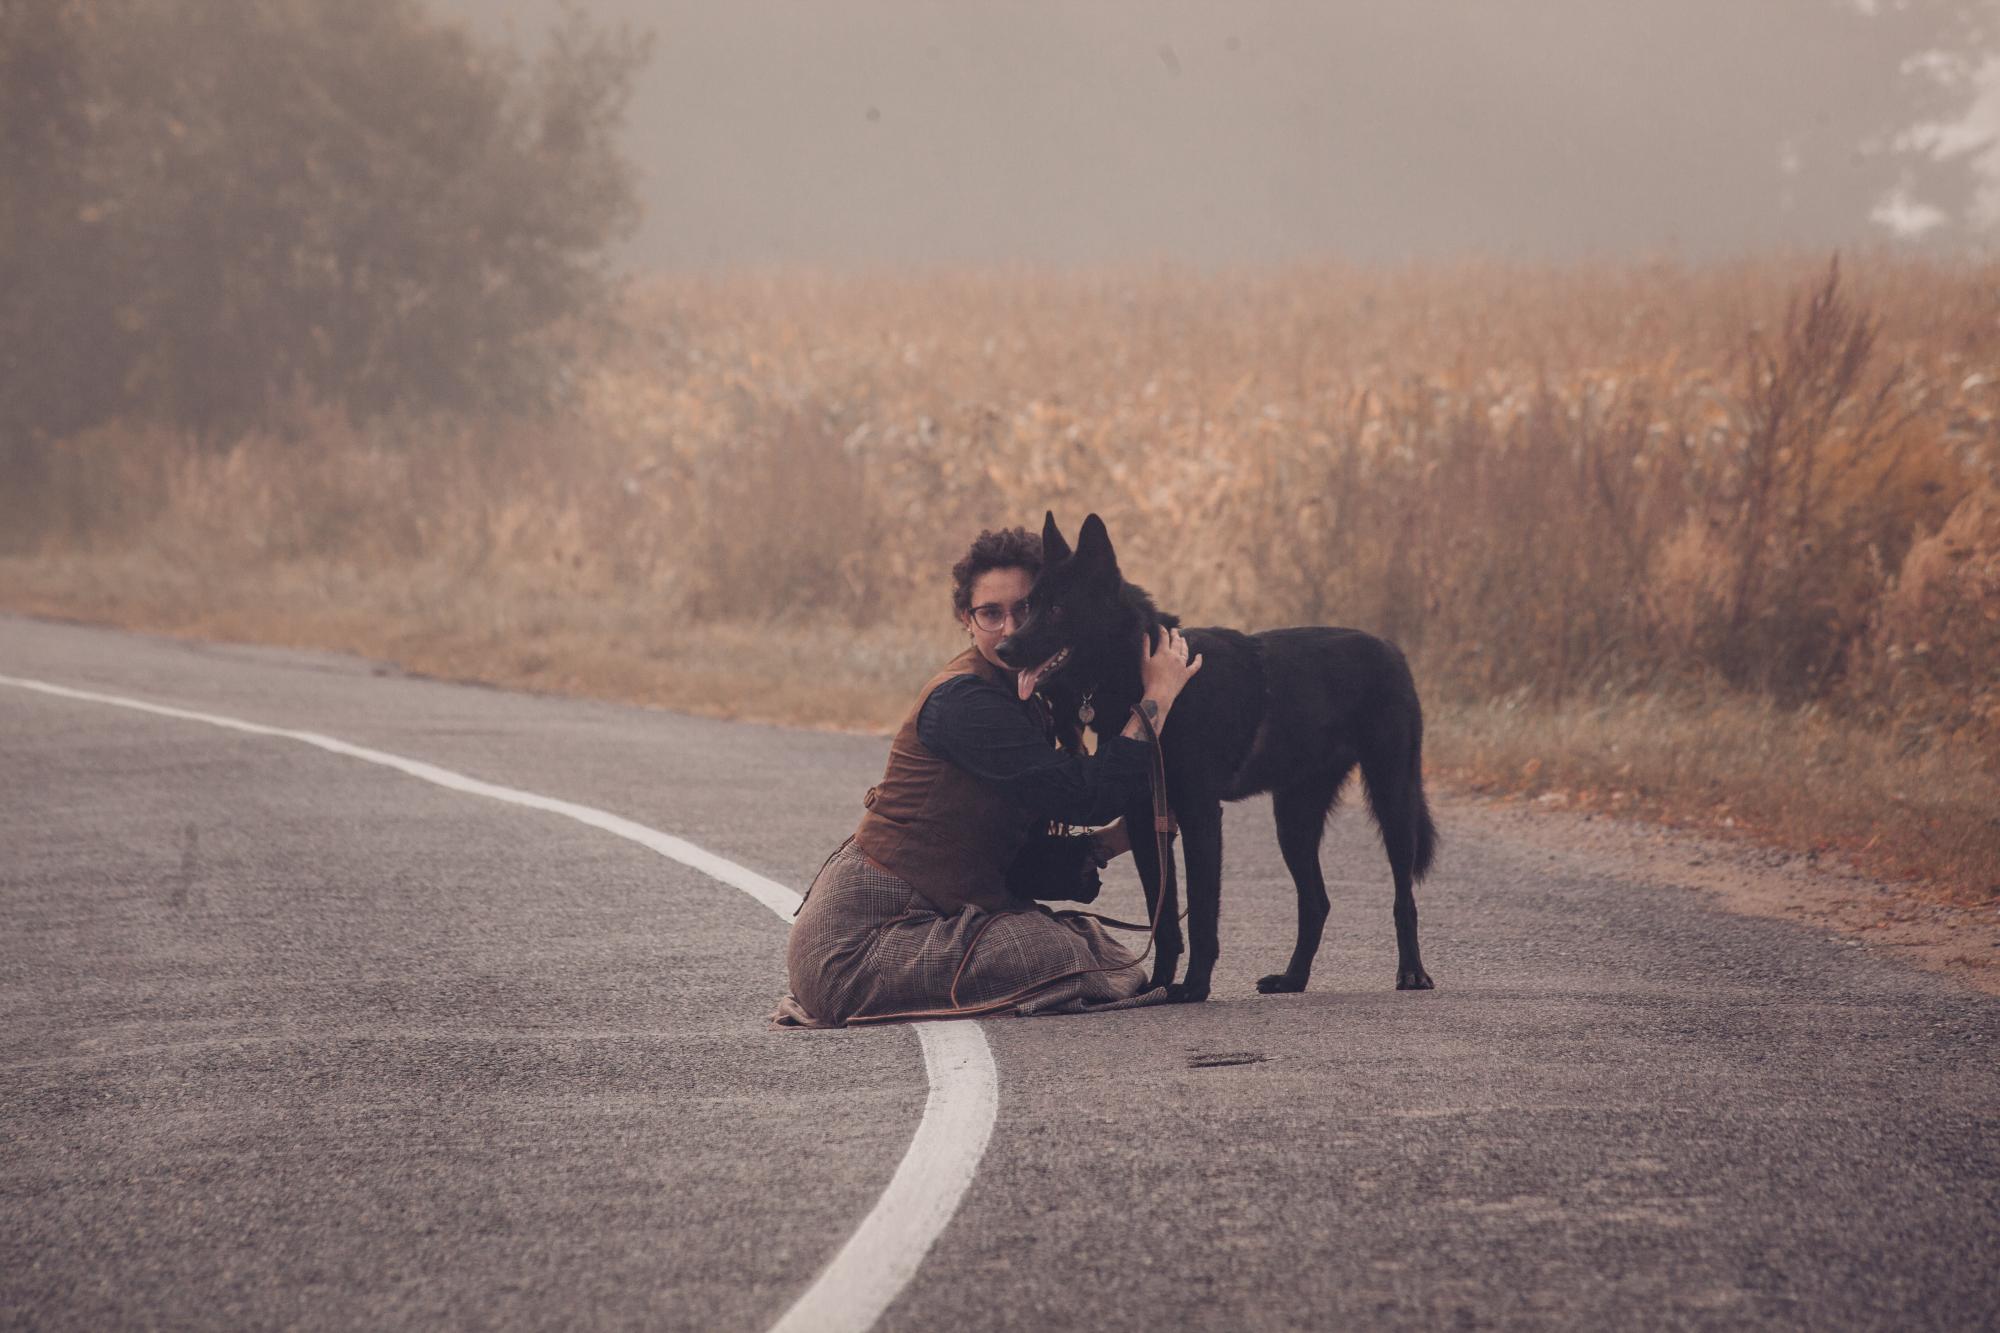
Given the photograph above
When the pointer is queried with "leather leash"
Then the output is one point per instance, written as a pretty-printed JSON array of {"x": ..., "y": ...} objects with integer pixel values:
[{"x": 1163, "y": 821}]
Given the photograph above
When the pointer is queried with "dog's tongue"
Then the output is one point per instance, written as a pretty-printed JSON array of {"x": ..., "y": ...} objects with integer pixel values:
[{"x": 1027, "y": 679}]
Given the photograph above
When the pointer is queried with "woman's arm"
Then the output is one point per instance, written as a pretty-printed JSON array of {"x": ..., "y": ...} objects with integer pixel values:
[
  {"x": 989, "y": 733},
  {"x": 985, "y": 730}
]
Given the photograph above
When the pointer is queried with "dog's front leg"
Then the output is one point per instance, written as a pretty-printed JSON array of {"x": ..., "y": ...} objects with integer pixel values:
[
  {"x": 1146, "y": 860},
  {"x": 1201, "y": 826}
]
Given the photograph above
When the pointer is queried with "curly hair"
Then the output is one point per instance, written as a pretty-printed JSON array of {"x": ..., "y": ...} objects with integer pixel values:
[{"x": 1009, "y": 548}]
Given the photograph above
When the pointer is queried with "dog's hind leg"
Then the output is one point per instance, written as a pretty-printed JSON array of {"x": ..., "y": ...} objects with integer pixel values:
[
  {"x": 1201, "y": 829},
  {"x": 1301, "y": 813},
  {"x": 1393, "y": 768},
  {"x": 1146, "y": 860}
]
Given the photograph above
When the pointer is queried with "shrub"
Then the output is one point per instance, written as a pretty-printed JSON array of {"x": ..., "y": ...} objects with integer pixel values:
[{"x": 1933, "y": 659}]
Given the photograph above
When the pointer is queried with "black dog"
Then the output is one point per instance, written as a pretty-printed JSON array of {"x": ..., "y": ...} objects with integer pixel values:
[{"x": 1287, "y": 711}]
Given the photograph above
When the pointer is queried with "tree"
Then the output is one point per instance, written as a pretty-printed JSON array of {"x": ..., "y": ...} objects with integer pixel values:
[
  {"x": 1905, "y": 134},
  {"x": 56, "y": 316},
  {"x": 230, "y": 201}
]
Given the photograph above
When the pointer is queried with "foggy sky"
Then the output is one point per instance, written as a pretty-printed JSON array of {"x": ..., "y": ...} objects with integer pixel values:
[{"x": 897, "y": 131}]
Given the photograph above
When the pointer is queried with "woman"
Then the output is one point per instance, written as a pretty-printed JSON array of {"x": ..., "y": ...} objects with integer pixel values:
[{"x": 929, "y": 910}]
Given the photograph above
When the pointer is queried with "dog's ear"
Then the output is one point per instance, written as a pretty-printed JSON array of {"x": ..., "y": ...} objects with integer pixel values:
[
  {"x": 1054, "y": 548},
  {"x": 1093, "y": 546}
]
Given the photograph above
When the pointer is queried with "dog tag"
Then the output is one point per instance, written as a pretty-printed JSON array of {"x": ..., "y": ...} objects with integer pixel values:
[{"x": 1085, "y": 714}]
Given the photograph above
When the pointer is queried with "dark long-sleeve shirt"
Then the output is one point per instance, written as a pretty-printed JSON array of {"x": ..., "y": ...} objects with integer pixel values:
[{"x": 984, "y": 729}]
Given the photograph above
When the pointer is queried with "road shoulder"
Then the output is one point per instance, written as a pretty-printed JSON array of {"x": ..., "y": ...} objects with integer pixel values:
[{"x": 1753, "y": 879}]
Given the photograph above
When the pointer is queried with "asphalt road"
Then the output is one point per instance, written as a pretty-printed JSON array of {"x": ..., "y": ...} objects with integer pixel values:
[{"x": 287, "y": 1039}]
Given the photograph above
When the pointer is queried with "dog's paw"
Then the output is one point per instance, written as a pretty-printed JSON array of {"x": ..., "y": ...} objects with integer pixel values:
[
  {"x": 1180, "y": 992},
  {"x": 1414, "y": 978},
  {"x": 1280, "y": 983}
]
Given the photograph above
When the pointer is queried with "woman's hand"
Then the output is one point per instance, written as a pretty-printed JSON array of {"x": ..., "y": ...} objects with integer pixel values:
[
  {"x": 1110, "y": 841},
  {"x": 1165, "y": 669}
]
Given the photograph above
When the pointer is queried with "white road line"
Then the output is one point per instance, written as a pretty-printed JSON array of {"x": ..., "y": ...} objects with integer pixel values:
[{"x": 883, "y": 1254}]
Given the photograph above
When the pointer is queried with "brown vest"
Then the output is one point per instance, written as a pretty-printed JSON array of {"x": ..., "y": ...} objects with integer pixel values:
[{"x": 936, "y": 826}]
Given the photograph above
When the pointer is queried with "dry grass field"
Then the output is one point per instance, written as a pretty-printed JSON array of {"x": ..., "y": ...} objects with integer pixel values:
[{"x": 1717, "y": 544}]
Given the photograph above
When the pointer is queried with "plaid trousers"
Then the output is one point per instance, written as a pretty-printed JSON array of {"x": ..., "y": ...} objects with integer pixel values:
[{"x": 868, "y": 948}]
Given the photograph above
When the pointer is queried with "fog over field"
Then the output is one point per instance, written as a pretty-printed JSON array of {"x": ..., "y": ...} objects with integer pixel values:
[
  {"x": 878, "y": 131},
  {"x": 1631, "y": 365}
]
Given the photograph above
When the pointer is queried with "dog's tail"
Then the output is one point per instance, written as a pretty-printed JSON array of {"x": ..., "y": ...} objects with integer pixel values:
[
  {"x": 1427, "y": 833},
  {"x": 1394, "y": 768}
]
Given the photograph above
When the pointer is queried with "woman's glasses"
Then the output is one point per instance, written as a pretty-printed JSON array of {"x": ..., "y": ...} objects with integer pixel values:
[{"x": 991, "y": 615}]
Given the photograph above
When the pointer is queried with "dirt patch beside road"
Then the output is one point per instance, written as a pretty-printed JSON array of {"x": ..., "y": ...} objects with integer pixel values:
[{"x": 1753, "y": 878}]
